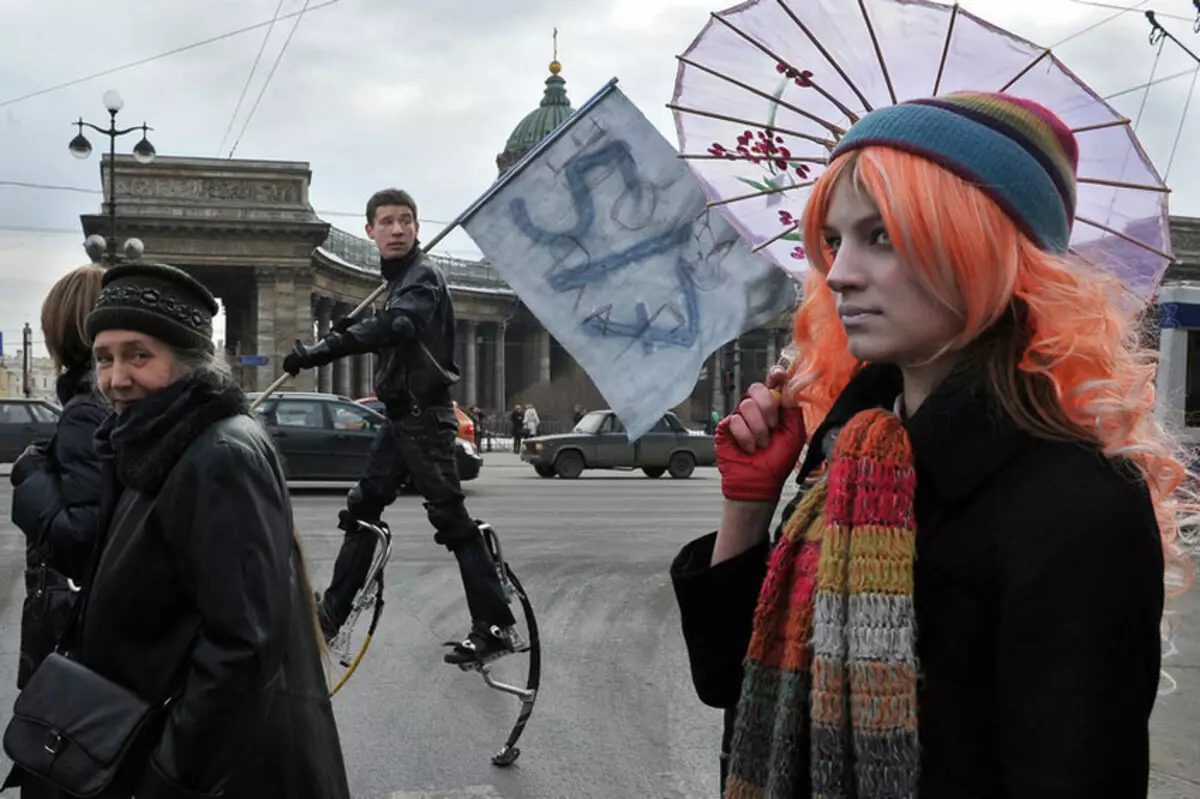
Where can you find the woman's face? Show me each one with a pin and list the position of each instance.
(889, 317)
(130, 366)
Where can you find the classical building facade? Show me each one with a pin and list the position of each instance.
(42, 377)
(246, 229)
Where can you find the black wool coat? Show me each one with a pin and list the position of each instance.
(1038, 592)
(198, 594)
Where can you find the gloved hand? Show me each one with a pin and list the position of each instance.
(758, 446)
(309, 356)
(33, 459)
(343, 324)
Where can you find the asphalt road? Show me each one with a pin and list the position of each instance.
(617, 718)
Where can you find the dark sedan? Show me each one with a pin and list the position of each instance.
(23, 422)
(326, 437)
(599, 442)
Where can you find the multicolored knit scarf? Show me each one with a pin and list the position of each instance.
(829, 699)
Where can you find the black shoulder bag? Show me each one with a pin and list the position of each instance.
(78, 730)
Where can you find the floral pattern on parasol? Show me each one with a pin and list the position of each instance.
(768, 87)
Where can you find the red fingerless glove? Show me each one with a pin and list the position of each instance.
(760, 476)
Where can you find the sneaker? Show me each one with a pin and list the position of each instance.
(481, 646)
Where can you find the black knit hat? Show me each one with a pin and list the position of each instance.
(158, 300)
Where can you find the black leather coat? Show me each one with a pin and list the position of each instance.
(199, 592)
(1038, 591)
(413, 333)
(56, 504)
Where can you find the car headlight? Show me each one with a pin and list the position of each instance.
(538, 446)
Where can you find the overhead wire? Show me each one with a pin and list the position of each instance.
(1104, 21)
(34, 229)
(23, 184)
(1141, 86)
(174, 51)
(64, 231)
(271, 74)
(1182, 121)
(1153, 70)
(1160, 35)
(249, 78)
(1124, 9)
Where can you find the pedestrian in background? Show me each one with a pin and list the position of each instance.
(517, 420)
(57, 486)
(531, 421)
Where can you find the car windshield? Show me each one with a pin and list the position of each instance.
(591, 422)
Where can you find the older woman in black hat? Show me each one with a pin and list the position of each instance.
(198, 592)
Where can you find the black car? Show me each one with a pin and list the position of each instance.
(326, 437)
(23, 422)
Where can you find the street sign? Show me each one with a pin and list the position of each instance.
(252, 360)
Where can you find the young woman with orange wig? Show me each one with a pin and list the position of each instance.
(966, 598)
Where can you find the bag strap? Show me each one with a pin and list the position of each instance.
(85, 593)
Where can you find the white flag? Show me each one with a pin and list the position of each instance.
(603, 232)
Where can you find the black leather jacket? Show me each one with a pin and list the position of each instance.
(413, 334)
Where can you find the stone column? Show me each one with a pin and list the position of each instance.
(501, 395)
(264, 307)
(363, 364)
(324, 318)
(338, 383)
(470, 365)
(283, 311)
(543, 355)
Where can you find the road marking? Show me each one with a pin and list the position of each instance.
(469, 792)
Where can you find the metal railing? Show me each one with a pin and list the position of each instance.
(460, 272)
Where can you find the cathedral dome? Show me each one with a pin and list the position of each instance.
(554, 109)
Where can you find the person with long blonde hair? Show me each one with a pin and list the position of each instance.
(965, 597)
(57, 487)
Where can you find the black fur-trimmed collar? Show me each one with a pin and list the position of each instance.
(147, 440)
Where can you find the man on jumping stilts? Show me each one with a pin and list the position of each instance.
(414, 337)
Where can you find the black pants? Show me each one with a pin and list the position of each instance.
(419, 448)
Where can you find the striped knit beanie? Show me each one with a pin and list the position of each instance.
(1018, 152)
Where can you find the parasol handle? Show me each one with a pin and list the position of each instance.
(374, 295)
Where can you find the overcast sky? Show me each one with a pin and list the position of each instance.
(415, 94)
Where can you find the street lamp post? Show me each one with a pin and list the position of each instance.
(100, 248)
